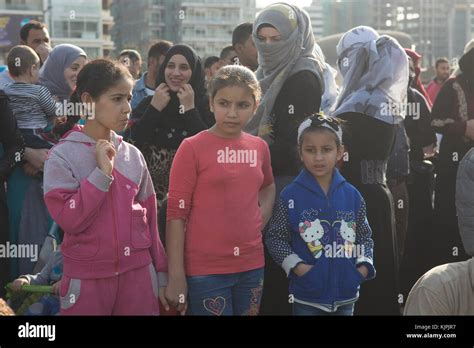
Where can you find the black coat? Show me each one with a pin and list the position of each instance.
(299, 97)
(154, 127)
(13, 151)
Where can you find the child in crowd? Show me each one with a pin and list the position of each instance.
(99, 191)
(33, 105)
(221, 195)
(50, 275)
(319, 232)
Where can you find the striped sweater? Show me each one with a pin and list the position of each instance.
(31, 104)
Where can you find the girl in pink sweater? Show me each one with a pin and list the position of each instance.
(98, 189)
(221, 196)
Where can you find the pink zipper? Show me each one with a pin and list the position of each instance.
(115, 232)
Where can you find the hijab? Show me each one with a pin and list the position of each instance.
(280, 60)
(466, 65)
(375, 75)
(52, 72)
(171, 116)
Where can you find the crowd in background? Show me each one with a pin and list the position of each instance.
(391, 170)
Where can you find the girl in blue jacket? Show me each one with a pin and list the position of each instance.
(319, 232)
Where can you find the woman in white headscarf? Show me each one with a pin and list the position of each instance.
(290, 75)
(372, 101)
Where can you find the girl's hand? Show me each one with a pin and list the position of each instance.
(18, 283)
(302, 269)
(56, 287)
(161, 98)
(176, 294)
(161, 295)
(105, 155)
(363, 270)
(186, 97)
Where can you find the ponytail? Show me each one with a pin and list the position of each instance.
(62, 128)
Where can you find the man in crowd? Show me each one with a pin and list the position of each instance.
(211, 65)
(35, 35)
(133, 61)
(228, 55)
(442, 74)
(244, 46)
(147, 83)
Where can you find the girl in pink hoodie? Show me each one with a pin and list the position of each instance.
(98, 189)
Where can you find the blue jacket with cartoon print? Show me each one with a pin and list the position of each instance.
(330, 232)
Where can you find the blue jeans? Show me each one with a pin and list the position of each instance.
(225, 294)
(302, 309)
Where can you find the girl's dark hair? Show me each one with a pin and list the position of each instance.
(95, 78)
(235, 75)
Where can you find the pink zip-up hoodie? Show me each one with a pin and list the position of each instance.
(109, 222)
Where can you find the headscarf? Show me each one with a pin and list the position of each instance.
(465, 201)
(280, 60)
(415, 56)
(52, 72)
(171, 111)
(467, 48)
(331, 90)
(375, 72)
(466, 65)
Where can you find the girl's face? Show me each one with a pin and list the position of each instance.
(233, 106)
(319, 153)
(177, 72)
(112, 109)
(268, 35)
(70, 73)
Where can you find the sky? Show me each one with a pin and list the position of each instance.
(300, 3)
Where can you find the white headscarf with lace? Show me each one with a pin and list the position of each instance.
(375, 75)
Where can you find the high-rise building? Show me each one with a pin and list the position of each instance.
(315, 11)
(342, 15)
(206, 25)
(85, 23)
(13, 14)
(140, 23)
(439, 28)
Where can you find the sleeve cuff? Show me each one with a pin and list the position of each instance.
(27, 277)
(370, 267)
(162, 279)
(289, 262)
(100, 180)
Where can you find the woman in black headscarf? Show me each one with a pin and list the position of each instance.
(178, 109)
(453, 116)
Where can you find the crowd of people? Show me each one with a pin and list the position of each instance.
(246, 183)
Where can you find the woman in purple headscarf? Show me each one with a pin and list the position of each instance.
(59, 72)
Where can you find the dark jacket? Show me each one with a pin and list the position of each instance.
(299, 97)
(10, 139)
(418, 127)
(330, 232)
(153, 127)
